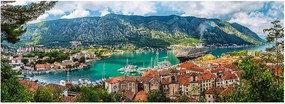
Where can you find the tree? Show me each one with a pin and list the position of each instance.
(25, 61)
(46, 95)
(183, 98)
(156, 96)
(89, 94)
(117, 97)
(14, 17)
(82, 60)
(256, 85)
(276, 35)
(11, 89)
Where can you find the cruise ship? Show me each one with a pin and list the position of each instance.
(189, 53)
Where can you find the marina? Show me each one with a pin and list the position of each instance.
(143, 61)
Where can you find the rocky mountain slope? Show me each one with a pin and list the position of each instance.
(152, 31)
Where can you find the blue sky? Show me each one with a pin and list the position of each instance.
(256, 15)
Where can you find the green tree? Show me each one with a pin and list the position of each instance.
(256, 85)
(14, 17)
(183, 98)
(156, 96)
(89, 94)
(11, 89)
(117, 97)
(276, 35)
(46, 95)
(82, 60)
(25, 61)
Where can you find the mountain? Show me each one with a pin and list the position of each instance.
(152, 31)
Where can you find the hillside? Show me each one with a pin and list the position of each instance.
(152, 31)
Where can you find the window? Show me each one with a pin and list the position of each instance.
(172, 79)
(115, 87)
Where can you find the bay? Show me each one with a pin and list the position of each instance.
(115, 62)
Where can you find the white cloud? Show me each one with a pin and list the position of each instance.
(243, 12)
(133, 8)
(19, 2)
(210, 9)
(56, 11)
(256, 21)
(104, 12)
(77, 13)
(40, 18)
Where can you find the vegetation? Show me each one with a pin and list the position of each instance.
(207, 57)
(156, 96)
(276, 35)
(11, 89)
(257, 84)
(46, 95)
(14, 17)
(91, 94)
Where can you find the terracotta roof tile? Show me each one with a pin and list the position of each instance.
(206, 77)
(150, 73)
(129, 94)
(186, 65)
(184, 81)
(229, 76)
(165, 81)
(141, 96)
(227, 90)
(32, 86)
(114, 80)
(214, 89)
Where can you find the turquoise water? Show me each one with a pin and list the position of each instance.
(115, 62)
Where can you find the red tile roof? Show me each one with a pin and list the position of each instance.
(198, 69)
(227, 90)
(129, 94)
(182, 71)
(186, 65)
(206, 77)
(151, 73)
(229, 76)
(278, 71)
(141, 96)
(217, 70)
(213, 90)
(165, 81)
(114, 80)
(184, 81)
(32, 86)
(45, 66)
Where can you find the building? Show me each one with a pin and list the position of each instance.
(42, 67)
(112, 84)
(16, 63)
(207, 81)
(211, 93)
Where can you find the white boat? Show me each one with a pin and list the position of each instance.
(128, 68)
(164, 64)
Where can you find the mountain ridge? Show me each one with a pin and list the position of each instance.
(139, 30)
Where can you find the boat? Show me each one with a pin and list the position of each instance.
(189, 53)
(128, 68)
(164, 64)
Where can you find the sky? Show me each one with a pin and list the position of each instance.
(256, 15)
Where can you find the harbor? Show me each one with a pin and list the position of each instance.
(141, 60)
